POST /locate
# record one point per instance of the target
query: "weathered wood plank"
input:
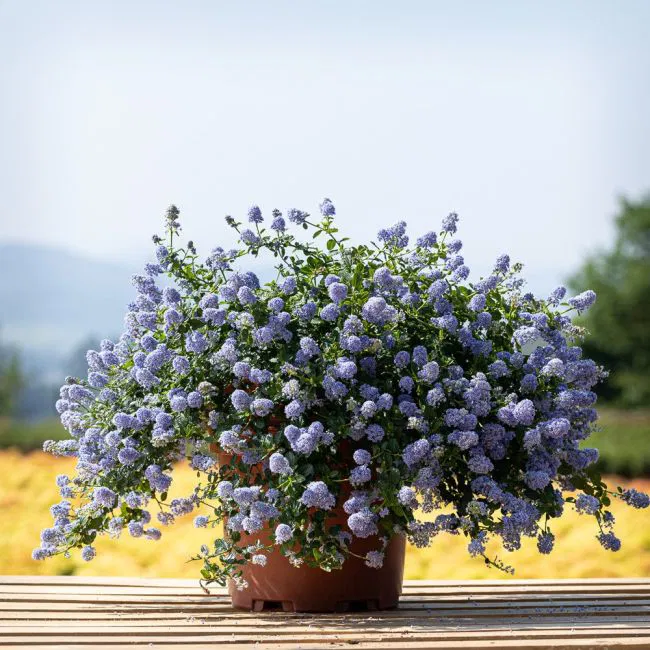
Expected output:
(610, 627)
(400, 640)
(29, 609)
(176, 583)
(541, 643)
(37, 612)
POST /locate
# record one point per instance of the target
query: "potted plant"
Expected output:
(330, 412)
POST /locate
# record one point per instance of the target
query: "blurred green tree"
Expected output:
(11, 380)
(619, 322)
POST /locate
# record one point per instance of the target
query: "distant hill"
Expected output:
(51, 299)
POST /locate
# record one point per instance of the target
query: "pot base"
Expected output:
(280, 586)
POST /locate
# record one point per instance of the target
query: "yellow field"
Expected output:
(27, 490)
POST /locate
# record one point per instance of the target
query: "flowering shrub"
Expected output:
(374, 377)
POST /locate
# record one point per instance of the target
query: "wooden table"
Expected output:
(105, 613)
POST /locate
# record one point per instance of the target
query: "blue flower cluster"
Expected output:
(363, 385)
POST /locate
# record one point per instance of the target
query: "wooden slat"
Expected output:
(107, 613)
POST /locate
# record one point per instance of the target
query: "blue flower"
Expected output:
(360, 474)
(556, 296)
(402, 359)
(420, 355)
(583, 301)
(406, 384)
(362, 457)
(258, 376)
(309, 347)
(345, 369)
(463, 439)
(636, 499)
(609, 541)
(363, 523)
(477, 545)
(261, 406)
(428, 240)
(528, 383)
(128, 455)
(368, 409)
(415, 452)
(337, 292)
(502, 264)
(278, 224)
(330, 312)
(375, 432)
(526, 334)
(297, 216)
(178, 403)
(136, 529)
(276, 304)
(317, 495)
(157, 480)
(196, 342)
(225, 490)
(246, 296)
(587, 504)
(435, 396)
(524, 412)
(241, 400)
(307, 311)
(374, 559)
(480, 464)
(283, 533)
(327, 208)
(449, 223)
(103, 496)
(429, 372)
(294, 409)
(330, 279)
(88, 553)
(395, 235)
(477, 303)
(181, 365)
(537, 480)
(406, 496)
(255, 214)
(249, 237)
(171, 296)
(288, 285)
(278, 464)
(545, 542)
(97, 379)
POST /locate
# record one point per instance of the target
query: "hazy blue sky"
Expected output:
(527, 118)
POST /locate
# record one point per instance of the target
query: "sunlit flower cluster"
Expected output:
(377, 381)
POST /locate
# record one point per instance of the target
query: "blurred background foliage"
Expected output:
(619, 322)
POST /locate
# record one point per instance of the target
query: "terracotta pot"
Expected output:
(355, 587)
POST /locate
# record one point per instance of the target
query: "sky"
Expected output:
(527, 118)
